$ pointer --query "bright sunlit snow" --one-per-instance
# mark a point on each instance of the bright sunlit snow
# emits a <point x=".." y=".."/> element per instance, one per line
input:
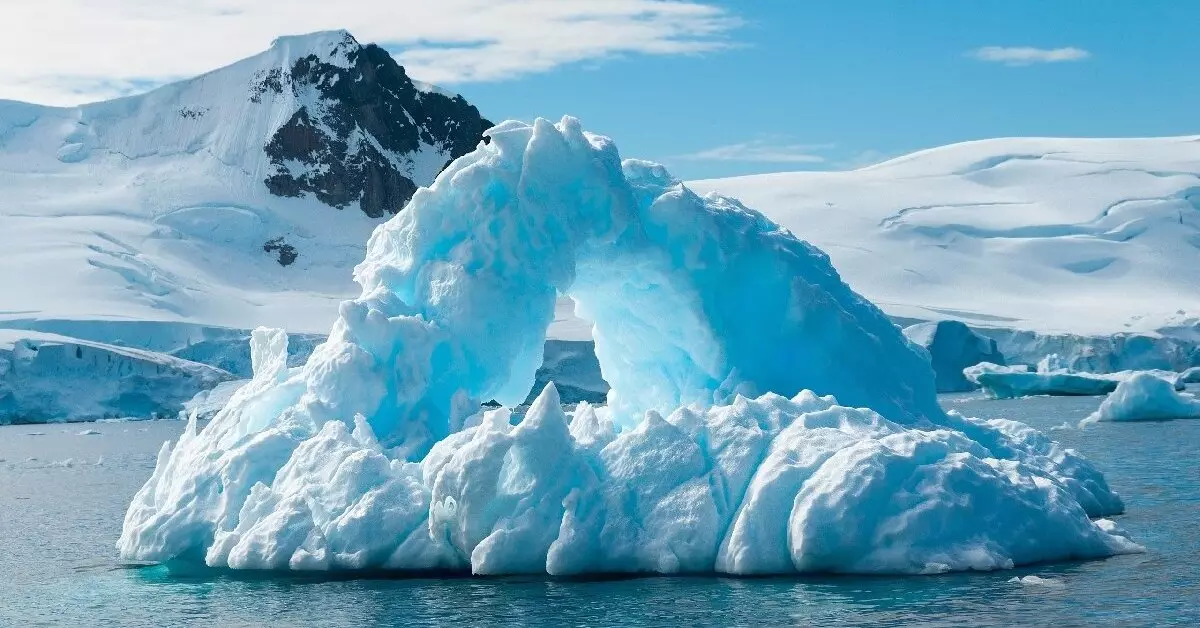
<point x="1077" y="239"/>
<point x="708" y="317"/>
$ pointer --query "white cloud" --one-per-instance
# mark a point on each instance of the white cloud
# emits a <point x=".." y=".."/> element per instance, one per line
<point x="69" y="51"/>
<point x="1020" y="56"/>
<point x="762" y="151"/>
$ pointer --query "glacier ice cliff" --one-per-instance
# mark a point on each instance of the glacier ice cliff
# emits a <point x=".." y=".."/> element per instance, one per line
<point x="762" y="417"/>
<point x="48" y="377"/>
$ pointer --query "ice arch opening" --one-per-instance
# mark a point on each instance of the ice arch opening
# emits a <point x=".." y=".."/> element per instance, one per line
<point x="714" y="327"/>
<point x="693" y="299"/>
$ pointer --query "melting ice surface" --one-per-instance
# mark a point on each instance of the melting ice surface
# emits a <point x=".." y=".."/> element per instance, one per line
<point x="718" y="331"/>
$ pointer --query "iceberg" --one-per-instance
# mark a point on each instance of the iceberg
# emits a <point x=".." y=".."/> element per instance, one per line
<point x="1145" y="397"/>
<point x="47" y="377"/>
<point x="762" y="417"/>
<point x="952" y="347"/>
<point x="1053" y="378"/>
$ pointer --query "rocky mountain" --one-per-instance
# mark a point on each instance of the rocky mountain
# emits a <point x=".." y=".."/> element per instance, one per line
<point x="240" y="197"/>
<point x="366" y="133"/>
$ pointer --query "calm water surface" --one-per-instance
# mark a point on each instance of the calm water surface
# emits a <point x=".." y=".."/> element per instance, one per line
<point x="63" y="495"/>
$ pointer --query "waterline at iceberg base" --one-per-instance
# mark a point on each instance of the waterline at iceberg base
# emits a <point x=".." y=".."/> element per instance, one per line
<point x="763" y="418"/>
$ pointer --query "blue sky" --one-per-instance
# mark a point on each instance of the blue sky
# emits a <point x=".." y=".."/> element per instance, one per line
<point x="708" y="87"/>
<point x="847" y="82"/>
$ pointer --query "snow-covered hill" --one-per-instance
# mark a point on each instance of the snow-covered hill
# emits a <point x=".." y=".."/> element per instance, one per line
<point x="1083" y="236"/>
<point x="240" y="197"/>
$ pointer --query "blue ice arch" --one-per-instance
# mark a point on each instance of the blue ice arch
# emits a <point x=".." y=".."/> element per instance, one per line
<point x="763" y="418"/>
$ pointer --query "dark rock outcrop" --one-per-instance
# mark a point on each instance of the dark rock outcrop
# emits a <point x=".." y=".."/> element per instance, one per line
<point x="362" y="138"/>
<point x="285" y="253"/>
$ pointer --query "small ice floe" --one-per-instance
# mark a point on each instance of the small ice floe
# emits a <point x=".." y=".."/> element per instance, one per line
<point x="1145" y="397"/>
<point x="35" y="433"/>
<point x="1062" y="426"/>
<point x="89" y="433"/>
<point x="1038" y="581"/>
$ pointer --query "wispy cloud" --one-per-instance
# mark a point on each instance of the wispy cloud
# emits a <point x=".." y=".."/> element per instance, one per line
<point x="762" y="151"/>
<point x="1021" y="56"/>
<point x="69" y="51"/>
<point x="864" y="159"/>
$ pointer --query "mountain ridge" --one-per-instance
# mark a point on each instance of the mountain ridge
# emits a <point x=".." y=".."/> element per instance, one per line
<point x="239" y="197"/>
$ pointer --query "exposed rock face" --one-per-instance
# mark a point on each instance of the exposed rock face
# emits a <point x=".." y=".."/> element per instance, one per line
<point x="285" y="253"/>
<point x="366" y="133"/>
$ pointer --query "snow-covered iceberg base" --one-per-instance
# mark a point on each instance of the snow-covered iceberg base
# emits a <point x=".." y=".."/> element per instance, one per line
<point x="761" y="486"/>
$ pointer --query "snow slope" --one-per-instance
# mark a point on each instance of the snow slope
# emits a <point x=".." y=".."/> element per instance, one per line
<point x="1080" y="236"/>
<point x="240" y="197"/>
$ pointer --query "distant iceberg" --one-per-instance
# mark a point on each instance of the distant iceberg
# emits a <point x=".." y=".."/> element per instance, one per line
<point x="762" y="418"/>
<point x="952" y="347"/>
<point x="1053" y="378"/>
<point x="1144" y="397"/>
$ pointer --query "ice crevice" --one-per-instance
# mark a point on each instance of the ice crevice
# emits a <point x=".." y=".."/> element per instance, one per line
<point x="763" y="418"/>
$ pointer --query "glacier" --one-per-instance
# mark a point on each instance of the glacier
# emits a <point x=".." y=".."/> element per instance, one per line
<point x="1145" y="397"/>
<point x="1053" y="377"/>
<point x="763" y="418"/>
<point x="46" y="377"/>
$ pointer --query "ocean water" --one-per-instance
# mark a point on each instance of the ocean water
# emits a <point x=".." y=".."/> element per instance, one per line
<point x="63" y="493"/>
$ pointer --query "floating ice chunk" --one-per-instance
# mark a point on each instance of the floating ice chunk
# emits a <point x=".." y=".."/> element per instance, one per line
<point x="375" y="454"/>
<point x="88" y="433"/>
<point x="1145" y="397"/>
<point x="1039" y="581"/>
<point x="1007" y="382"/>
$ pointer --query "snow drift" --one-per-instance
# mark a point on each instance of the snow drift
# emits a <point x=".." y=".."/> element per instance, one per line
<point x="1144" y="397"/>
<point x="952" y="347"/>
<point x="712" y="326"/>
